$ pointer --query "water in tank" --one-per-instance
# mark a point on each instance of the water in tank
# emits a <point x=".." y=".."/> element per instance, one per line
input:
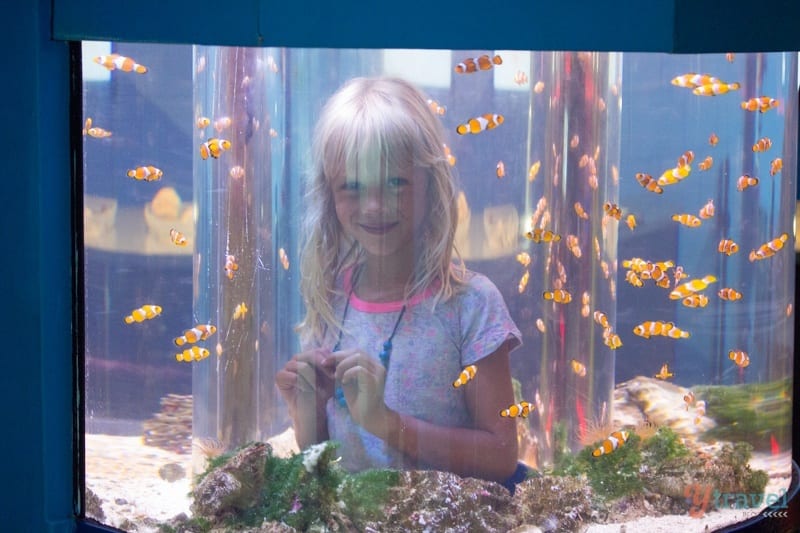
<point x="386" y="290"/>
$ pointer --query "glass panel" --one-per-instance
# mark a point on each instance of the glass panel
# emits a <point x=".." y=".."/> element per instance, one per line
<point x="630" y="220"/>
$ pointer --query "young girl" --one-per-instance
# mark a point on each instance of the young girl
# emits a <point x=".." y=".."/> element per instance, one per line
<point x="391" y="318"/>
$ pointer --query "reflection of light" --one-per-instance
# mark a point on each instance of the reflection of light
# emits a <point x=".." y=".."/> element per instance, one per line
<point x="92" y="71"/>
<point x="794" y="225"/>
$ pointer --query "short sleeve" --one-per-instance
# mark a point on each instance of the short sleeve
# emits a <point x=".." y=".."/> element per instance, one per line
<point x="485" y="321"/>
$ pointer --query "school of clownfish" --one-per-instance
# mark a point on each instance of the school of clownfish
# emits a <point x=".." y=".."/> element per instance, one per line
<point x="664" y="274"/>
<point x="213" y="147"/>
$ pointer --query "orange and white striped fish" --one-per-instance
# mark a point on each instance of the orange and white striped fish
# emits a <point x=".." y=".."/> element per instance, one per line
<point x="692" y="80"/>
<point x="690" y="399"/>
<point x="195" y="353"/>
<point x="240" y="311"/>
<point x="730" y="294"/>
<point x="145" y="312"/>
<point x="561" y="296"/>
<point x="523" y="281"/>
<point x="146" y="173"/>
<point x="674" y="332"/>
<point x="580" y="211"/>
<point x="202" y="122"/>
<point x="648" y="182"/>
<point x="728" y="247"/>
<point x="534" y="170"/>
<point x="739" y="357"/>
<point x="695" y="300"/>
<point x="760" y="103"/>
<point x="524" y="259"/>
<point x="685" y="159"/>
<point x="119" y="62"/>
<point x="466" y="374"/>
<point x="177" y="238"/>
<point x="649" y="327"/>
<point x="707" y="211"/>
<point x="538" y="87"/>
<point x="538" y="235"/>
<point x="713" y="139"/>
<point x="475" y="125"/>
<point x="715" y="89"/>
<point x="520" y="78"/>
<point x="611" y="339"/>
<point x="474" y="64"/>
<point x="612" y="210"/>
<point x="601" y="318"/>
<point x="630" y="220"/>
<point x="612" y="442"/>
<point x="222" y="123"/>
<point x="746" y="181"/>
<point x="664" y="373"/>
<point x="283" y="257"/>
<point x="214" y="147"/>
<point x="672" y="176"/>
<point x="775" y="166"/>
<point x="522" y="409"/>
<point x="762" y="145"/>
<point x="436" y="108"/>
<point x="770" y="248"/>
<point x="687" y="220"/>
<point x="695" y="285"/>
<point x="633" y="279"/>
<point x="198" y="333"/>
<point x="94" y="131"/>
<point x="578" y="367"/>
<point x="451" y="159"/>
<point x="231" y="265"/>
<point x="501" y="170"/>
<point x="706" y="163"/>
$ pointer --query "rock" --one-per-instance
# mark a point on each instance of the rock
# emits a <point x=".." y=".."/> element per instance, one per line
<point x="166" y="203"/>
<point x="171" y="428"/>
<point x="234" y="486"/>
<point x="172" y="472"/>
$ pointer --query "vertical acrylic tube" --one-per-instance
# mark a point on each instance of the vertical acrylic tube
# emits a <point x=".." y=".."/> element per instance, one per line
<point x="574" y="131"/>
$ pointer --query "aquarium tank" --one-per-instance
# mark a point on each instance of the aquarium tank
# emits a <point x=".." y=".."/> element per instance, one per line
<point x="636" y="212"/>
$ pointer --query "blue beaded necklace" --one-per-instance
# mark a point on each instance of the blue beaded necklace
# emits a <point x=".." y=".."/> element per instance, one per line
<point x="384" y="356"/>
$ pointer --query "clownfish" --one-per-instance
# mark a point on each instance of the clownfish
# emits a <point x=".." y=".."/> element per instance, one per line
<point x="695" y="300"/>
<point x="560" y="296"/>
<point x="687" y="220"/>
<point x="633" y="279"/>
<point x="601" y="319"/>
<point x="501" y="169"/>
<point x="542" y="235"/>
<point x="739" y="357"/>
<point x="474" y="64"/>
<point x="760" y="103"/>
<point x="436" y="108"/>
<point x="713" y="139"/>
<point x="523" y="281"/>
<point x="580" y="211"/>
<point x="715" y="89"/>
<point x="146" y="173"/>
<point x="727" y="246"/>
<point x="578" y="367"/>
<point x="145" y="312"/>
<point x="746" y="181"/>
<point x="467" y="374"/>
<point x="692" y="80"/>
<point x="118" y="62"/>
<point x="648" y="182"/>
<point x="706" y="163"/>
<point x="768" y="249"/>
<point x="475" y="125"/>
<point x="284" y="258"/>
<point x="695" y="285"/>
<point x="762" y="145"/>
<point x="534" y="171"/>
<point x="707" y="211"/>
<point x="97" y="133"/>
<point x="240" y="311"/>
<point x="198" y="333"/>
<point x="520" y="78"/>
<point x="203" y="122"/>
<point x="612" y="210"/>
<point x="177" y="238"/>
<point x="689" y="398"/>
<point x="195" y="353"/>
<point x="775" y="166"/>
<point x="522" y="409"/>
<point x="612" y="442"/>
<point x="664" y="373"/>
<point x="730" y="294"/>
<point x="214" y="147"/>
<point x="674" y="175"/>
<point x="611" y="339"/>
<point x="231" y="265"/>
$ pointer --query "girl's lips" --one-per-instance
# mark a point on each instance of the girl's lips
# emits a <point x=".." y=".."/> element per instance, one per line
<point x="380" y="229"/>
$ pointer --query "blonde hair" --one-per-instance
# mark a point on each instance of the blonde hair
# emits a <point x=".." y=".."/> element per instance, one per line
<point x="390" y="118"/>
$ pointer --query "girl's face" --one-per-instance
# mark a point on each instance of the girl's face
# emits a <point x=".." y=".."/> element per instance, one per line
<point x="382" y="210"/>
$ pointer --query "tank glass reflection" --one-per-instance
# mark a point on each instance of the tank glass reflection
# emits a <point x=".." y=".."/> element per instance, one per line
<point x="635" y="212"/>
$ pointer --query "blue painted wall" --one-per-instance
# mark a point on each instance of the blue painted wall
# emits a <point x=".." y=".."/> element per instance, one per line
<point x="35" y="310"/>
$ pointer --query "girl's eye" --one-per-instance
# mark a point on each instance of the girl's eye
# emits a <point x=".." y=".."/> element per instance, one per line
<point x="350" y="186"/>
<point x="397" y="183"/>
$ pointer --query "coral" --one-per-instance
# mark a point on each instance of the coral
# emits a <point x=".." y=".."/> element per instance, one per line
<point x="554" y="503"/>
<point x="615" y="474"/>
<point x="750" y="413"/>
<point x="661" y="448"/>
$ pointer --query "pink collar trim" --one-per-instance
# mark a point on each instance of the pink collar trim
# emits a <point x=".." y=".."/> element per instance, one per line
<point x="384" y="307"/>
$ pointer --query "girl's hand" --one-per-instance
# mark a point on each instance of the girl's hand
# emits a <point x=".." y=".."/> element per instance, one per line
<point x="307" y="380"/>
<point x="363" y="379"/>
